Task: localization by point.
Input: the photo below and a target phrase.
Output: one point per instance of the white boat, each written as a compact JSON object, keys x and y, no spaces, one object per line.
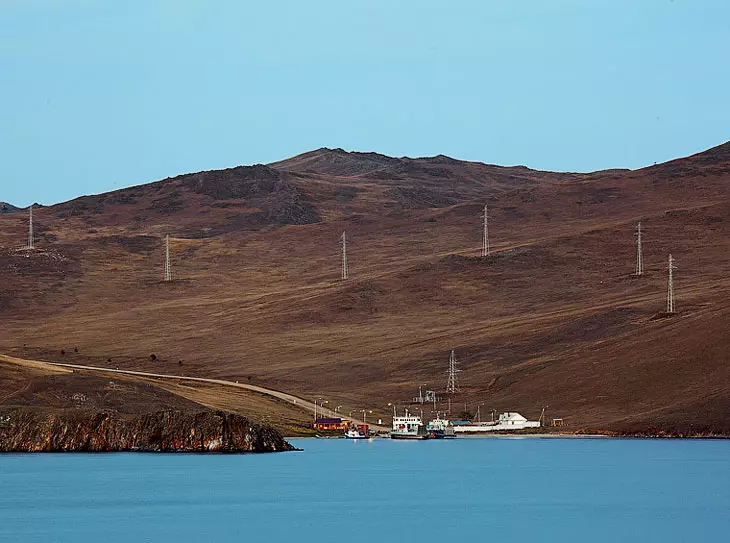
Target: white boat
{"x":354,"y":433}
{"x":509,"y":421}
{"x":408,"y":427}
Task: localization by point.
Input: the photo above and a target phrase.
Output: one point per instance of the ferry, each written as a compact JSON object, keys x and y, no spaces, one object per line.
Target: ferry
{"x":440,"y":428}
{"x":408,"y":427}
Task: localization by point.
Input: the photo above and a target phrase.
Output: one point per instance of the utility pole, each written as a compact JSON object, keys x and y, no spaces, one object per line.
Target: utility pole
{"x":30,"y":227}
{"x":670,"y":286}
{"x":639,"y":256}
{"x":344,"y":256}
{"x":485,"y":241}
{"x":452,"y":384}
{"x":168,"y":273}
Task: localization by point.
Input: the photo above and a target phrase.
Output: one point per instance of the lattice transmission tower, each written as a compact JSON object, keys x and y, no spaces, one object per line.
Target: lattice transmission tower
{"x":639,"y":254}
{"x":30,"y":227}
{"x":670,"y":286}
{"x":452,"y":385}
{"x":345,"y":271}
{"x":168,"y":272}
{"x":485,"y":240}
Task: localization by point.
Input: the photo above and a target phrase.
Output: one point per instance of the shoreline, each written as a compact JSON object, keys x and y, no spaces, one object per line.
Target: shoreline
{"x":495,"y":435}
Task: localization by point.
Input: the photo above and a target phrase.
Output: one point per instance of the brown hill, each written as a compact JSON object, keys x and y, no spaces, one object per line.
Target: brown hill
{"x":552,"y":318}
{"x":8,"y":208}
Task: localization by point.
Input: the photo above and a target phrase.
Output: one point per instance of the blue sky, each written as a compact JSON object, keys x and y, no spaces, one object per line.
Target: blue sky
{"x":97,"y":95}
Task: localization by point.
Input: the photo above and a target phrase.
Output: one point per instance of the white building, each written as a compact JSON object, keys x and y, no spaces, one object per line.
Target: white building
{"x":507,"y":421}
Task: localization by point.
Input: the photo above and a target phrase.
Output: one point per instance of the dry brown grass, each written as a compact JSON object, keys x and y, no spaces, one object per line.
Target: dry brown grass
{"x":552,"y":318}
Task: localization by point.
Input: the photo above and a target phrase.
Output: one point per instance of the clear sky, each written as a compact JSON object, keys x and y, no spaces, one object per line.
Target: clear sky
{"x":100,"y":94}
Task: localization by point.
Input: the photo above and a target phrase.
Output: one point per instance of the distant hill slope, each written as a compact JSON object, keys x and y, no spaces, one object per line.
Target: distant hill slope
{"x":8,"y":208}
{"x":553,"y":317}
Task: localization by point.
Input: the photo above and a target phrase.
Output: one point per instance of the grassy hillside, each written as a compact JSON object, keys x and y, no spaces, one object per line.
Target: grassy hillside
{"x":553,"y":317}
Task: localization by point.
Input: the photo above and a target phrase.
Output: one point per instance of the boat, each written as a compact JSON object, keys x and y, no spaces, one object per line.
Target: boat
{"x":361,"y":431}
{"x":439,"y":428}
{"x":408,"y":427}
{"x":508,"y":421}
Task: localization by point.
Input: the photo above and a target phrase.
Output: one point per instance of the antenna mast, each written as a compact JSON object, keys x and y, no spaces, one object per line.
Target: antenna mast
{"x":30,"y":227}
{"x":639,"y":256}
{"x":485,"y":242}
{"x":344,"y":256}
{"x":670,"y":289}
{"x":168,"y":274}
{"x":452,"y":385}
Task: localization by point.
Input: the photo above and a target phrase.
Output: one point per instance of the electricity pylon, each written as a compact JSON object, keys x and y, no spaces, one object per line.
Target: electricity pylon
{"x":168,"y":273}
{"x":344,"y":256}
{"x":639,"y":255}
{"x":670,"y":286}
{"x":485,"y":241}
{"x":30,"y":227}
{"x":452,"y":384}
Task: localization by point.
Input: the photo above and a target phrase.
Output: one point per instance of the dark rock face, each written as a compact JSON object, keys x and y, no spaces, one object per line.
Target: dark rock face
{"x":238,"y":182}
{"x":8,"y":208}
{"x":29,"y":430}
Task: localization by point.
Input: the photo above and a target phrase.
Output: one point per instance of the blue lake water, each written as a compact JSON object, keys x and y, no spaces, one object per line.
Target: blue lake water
{"x":495,"y":489}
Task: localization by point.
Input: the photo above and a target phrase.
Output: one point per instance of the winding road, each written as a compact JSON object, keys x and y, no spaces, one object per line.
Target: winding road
{"x":300,"y":402}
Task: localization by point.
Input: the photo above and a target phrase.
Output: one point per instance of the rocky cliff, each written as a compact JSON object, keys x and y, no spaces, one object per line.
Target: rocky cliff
{"x":31,"y":430}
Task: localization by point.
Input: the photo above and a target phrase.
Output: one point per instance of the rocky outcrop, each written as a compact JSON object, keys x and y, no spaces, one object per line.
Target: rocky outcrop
{"x":30,"y":430}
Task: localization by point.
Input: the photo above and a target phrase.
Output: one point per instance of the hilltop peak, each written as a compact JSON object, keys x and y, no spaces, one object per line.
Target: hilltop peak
{"x":335,"y":162}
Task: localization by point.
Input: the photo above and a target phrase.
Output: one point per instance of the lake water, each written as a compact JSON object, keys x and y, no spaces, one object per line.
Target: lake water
{"x":494,"y":489}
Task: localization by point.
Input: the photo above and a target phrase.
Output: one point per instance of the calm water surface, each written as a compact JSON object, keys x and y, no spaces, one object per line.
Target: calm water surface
{"x":504,"y":489}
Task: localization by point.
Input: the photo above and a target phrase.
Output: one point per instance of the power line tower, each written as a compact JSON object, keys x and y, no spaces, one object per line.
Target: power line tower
{"x":452,"y":384}
{"x":343,"y":240}
{"x":30,"y":227}
{"x":670,"y":286}
{"x":639,"y":255}
{"x":485,"y":241}
{"x":168,"y":273}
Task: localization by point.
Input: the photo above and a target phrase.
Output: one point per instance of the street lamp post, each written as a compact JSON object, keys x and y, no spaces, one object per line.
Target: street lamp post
{"x":316,"y":402}
{"x":479,"y":412}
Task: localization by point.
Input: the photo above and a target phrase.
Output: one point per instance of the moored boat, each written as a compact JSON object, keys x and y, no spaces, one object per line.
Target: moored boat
{"x":361,"y":431}
{"x":408,"y":427}
{"x":439,"y":428}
